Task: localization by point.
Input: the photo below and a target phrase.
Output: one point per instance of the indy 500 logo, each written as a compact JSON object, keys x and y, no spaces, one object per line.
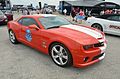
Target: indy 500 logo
{"x":28,"y":35}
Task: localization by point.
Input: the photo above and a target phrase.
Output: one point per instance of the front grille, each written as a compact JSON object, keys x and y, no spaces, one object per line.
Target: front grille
{"x":98,"y":56}
{"x":100,"y":44}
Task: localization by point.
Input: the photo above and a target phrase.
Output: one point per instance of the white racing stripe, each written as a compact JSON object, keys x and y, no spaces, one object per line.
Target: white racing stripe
{"x":88,"y":31}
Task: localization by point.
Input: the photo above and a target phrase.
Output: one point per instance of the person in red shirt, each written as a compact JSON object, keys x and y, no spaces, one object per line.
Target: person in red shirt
{"x":107,"y":12}
{"x":80,"y":16}
{"x":81,"y":13}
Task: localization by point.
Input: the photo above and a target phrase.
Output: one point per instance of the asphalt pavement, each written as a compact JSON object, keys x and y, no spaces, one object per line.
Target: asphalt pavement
{"x":22,"y":62}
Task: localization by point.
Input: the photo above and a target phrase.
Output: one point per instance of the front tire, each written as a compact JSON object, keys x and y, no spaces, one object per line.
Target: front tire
{"x":60,"y":55}
{"x":12,"y":37}
{"x":97,"y":26}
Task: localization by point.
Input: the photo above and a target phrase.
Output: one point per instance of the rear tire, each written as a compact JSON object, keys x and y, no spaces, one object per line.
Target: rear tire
{"x":12,"y":37}
{"x":97,"y":26}
{"x":60,"y":55}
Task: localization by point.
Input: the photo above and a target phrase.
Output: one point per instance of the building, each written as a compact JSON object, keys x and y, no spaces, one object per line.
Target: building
{"x":95,"y":5}
{"x":35,"y":3}
{"x":5,"y":4}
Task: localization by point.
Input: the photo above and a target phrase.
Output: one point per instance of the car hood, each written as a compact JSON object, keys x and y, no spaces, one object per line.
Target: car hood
{"x":81,"y":34}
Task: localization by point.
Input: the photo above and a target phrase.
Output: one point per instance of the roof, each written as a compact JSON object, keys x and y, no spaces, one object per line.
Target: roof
{"x":84,"y":3}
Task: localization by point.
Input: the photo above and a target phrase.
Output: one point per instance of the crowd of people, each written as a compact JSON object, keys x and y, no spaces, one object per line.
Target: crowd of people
{"x":30,"y":12}
{"x":77,"y":14}
{"x":36,"y":11}
{"x":110,"y":11}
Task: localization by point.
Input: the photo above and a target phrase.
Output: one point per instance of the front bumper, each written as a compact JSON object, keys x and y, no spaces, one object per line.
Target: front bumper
{"x":90,"y":62}
{"x":89,"y":57}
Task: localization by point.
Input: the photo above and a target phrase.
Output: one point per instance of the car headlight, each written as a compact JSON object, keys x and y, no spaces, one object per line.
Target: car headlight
{"x":86,"y":47}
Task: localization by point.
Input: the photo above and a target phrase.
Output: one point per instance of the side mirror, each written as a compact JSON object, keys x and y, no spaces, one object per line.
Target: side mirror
{"x":33,"y":26}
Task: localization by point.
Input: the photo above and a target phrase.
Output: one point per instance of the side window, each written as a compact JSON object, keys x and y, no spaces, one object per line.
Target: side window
{"x":103,"y":16}
{"x":28,"y":21}
{"x":109,"y":18}
{"x":113,"y":18}
{"x":20,"y":21}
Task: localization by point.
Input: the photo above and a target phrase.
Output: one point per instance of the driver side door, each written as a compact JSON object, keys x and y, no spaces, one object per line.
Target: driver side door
{"x":27,"y":34}
{"x":114,"y":27}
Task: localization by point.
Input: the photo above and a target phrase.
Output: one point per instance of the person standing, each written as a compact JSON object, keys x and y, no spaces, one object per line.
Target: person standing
{"x":26,"y":12}
{"x":76,"y":14}
{"x":80,"y":16}
{"x":107,"y":11}
{"x":102,"y":12}
{"x":65,"y":11}
{"x":37,"y":11}
{"x":73,"y":13}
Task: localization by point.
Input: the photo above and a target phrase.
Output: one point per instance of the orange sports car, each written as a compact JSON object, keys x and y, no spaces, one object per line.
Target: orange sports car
{"x":66,"y":43}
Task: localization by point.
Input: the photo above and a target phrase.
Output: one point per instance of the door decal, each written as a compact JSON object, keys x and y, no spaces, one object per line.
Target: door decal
{"x":28,"y":35}
{"x":114,"y":27}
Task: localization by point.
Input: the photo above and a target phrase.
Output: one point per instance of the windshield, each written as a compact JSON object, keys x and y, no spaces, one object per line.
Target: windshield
{"x":1,"y":13}
{"x":53,"y":21}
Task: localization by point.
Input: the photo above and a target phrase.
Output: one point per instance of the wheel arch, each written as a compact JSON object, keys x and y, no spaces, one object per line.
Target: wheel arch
{"x":69,"y":43}
{"x":15,"y":41}
{"x":64,"y":46}
{"x":9,"y":30}
{"x":54,"y":43}
{"x":101,"y":24}
{"x":98,"y":24}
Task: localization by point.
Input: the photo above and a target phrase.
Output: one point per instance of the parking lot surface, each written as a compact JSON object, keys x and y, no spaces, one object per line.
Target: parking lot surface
{"x":22,"y":62}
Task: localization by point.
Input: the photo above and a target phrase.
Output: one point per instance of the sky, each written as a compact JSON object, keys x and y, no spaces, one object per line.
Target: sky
{"x":51,"y":2}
